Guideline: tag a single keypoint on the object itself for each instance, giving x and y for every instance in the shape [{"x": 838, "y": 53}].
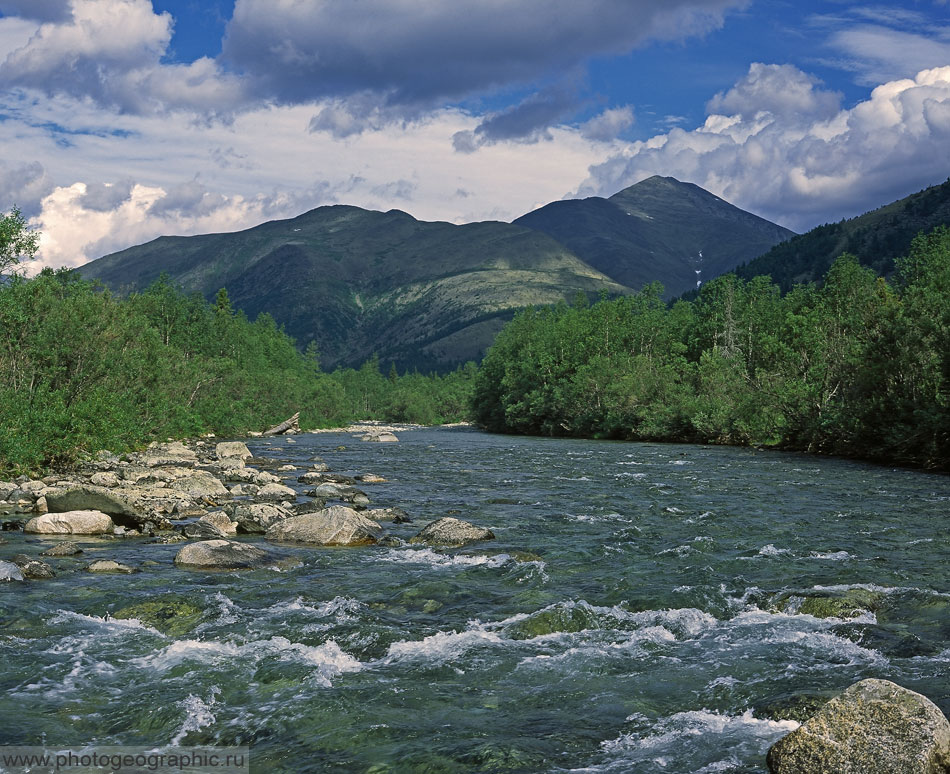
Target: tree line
[
  {"x": 856, "y": 366},
  {"x": 82, "y": 370}
]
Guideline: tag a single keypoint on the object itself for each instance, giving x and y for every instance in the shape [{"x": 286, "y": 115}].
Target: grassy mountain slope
[
  {"x": 875, "y": 238},
  {"x": 658, "y": 230},
  {"x": 357, "y": 282}
]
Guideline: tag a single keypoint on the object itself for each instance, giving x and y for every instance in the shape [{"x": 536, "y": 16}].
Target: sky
[{"x": 125, "y": 120}]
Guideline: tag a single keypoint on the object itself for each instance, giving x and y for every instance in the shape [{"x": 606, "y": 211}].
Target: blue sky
[{"x": 121, "y": 120}]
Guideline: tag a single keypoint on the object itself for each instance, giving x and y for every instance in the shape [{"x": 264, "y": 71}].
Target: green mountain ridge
[
  {"x": 356, "y": 281},
  {"x": 432, "y": 295},
  {"x": 875, "y": 238},
  {"x": 659, "y": 230}
]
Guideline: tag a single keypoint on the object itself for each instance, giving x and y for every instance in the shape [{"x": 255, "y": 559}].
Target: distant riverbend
[{"x": 642, "y": 608}]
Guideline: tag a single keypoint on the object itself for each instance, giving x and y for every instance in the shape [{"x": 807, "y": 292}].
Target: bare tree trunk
[{"x": 289, "y": 426}]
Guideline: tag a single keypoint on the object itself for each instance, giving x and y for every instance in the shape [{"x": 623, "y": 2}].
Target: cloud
[
  {"x": 102, "y": 197},
  {"x": 38, "y": 10},
  {"x": 806, "y": 168},
  {"x": 110, "y": 51},
  {"x": 609, "y": 124},
  {"x": 783, "y": 91},
  {"x": 411, "y": 53},
  {"x": 193, "y": 177},
  {"x": 877, "y": 53},
  {"x": 23, "y": 185},
  {"x": 527, "y": 121}
]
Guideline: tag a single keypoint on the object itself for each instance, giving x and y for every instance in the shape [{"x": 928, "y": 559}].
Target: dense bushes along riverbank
[
  {"x": 855, "y": 367},
  {"x": 81, "y": 370}
]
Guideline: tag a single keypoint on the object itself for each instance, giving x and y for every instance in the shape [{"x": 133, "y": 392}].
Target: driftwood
[{"x": 287, "y": 427}]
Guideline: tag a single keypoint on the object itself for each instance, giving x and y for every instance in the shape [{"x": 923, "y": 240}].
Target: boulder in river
[
  {"x": 449, "y": 531},
  {"x": 874, "y": 727},
  {"x": 829, "y": 604},
  {"x": 86, "y": 497},
  {"x": 232, "y": 450},
  {"x": 35, "y": 569},
  {"x": 110, "y": 566},
  {"x": 223, "y": 555},
  {"x": 85, "y": 522},
  {"x": 200, "y": 484},
  {"x": 277, "y": 493},
  {"x": 333, "y": 526},
  {"x": 257, "y": 518},
  {"x": 66, "y": 548},
  {"x": 170, "y": 615}
]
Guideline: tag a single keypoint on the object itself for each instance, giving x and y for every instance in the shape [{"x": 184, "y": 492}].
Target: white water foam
[
  {"x": 198, "y": 714},
  {"x": 771, "y": 550},
  {"x": 328, "y": 658},
  {"x": 441, "y": 647},
  {"x": 105, "y": 624},
  {"x": 834, "y": 556},
  {"x": 427, "y": 556}
]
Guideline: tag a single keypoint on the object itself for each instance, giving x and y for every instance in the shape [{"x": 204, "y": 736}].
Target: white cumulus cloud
[{"x": 780, "y": 150}]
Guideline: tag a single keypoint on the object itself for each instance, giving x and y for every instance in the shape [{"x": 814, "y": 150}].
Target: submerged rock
[
  {"x": 449, "y": 531},
  {"x": 828, "y": 604},
  {"x": 333, "y": 526},
  {"x": 170, "y": 615},
  {"x": 10, "y": 572},
  {"x": 874, "y": 727},
  {"x": 223, "y": 555},
  {"x": 83, "y": 522},
  {"x": 110, "y": 566},
  {"x": 570, "y": 617}
]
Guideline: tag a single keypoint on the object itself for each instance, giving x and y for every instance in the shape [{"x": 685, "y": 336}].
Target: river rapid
[{"x": 639, "y": 611}]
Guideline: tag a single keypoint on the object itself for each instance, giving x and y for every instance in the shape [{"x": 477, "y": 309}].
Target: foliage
[
  {"x": 17, "y": 241},
  {"x": 855, "y": 367},
  {"x": 81, "y": 370}
]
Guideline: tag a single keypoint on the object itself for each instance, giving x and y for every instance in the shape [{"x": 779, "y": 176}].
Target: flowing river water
[{"x": 638, "y": 612}]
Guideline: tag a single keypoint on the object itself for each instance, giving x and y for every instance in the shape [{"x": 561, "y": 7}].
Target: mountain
[
  {"x": 429, "y": 295},
  {"x": 876, "y": 238},
  {"x": 658, "y": 230}
]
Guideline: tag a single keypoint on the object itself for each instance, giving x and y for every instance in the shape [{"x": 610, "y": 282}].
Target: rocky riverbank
[{"x": 208, "y": 495}]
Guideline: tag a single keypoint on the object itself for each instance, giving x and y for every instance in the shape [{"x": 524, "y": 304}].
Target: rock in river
[
  {"x": 333, "y": 526},
  {"x": 451, "y": 532},
  {"x": 108, "y": 565},
  {"x": 71, "y": 523},
  {"x": 874, "y": 727},
  {"x": 223, "y": 555}
]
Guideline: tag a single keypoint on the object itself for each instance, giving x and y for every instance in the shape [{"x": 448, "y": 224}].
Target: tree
[{"x": 17, "y": 241}]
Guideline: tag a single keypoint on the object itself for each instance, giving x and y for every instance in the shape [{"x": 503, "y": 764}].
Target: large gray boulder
[
  {"x": 333, "y": 526},
  {"x": 257, "y": 518},
  {"x": 172, "y": 453},
  {"x": 87, "y": 497},
  {"x": 232, "y": 450},
  {"x": 451, "y": 532},
  {"x": 85, "y": 522},
  {"x": 223, "y": 555},
  {"x": 874, "y": 727},
  {"x": 200, "y": 484},
  {"x": 276, "y": 493}
]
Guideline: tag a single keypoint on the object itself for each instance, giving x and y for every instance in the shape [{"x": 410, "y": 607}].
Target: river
[{"x": 637, "y": 612}]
